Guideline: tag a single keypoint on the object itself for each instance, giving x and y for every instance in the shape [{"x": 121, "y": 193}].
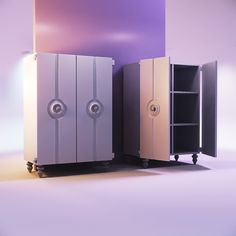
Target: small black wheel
[
  {"x": 194, "y": 156},
  {"x": 145, "y": 164},
  {"x": 40, "y": 170},
  {"x": 176, "y": 157},
  {"x": 35, "y": 167},
  {"x": 29, "y": 166},
  {"x": 40, "y": 174},
  {"x": 106, "y": 165}
]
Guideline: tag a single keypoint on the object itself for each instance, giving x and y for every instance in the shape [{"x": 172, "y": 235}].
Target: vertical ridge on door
[
  {"x": 94, "y": 120},
  {"x": 67, "y": 94},
  {"x": 56, "y": 97},
  {"x": 146, "y": 126},
  {"x": 209, "y": 109},
  {"x": 85, "y": 124},
  {"x": 161, "y": 123},
  {"x": 46, "y": 92},
  {"x": 104, "y": 121}
]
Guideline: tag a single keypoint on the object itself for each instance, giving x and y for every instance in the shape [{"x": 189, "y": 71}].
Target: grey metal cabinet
[
  {"x": 162, "y": 103},
  {"x": 67, "y": 109}
]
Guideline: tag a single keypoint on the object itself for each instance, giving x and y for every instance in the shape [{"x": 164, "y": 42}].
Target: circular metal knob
[
  {"x": 95, "y": 109},
  {"x": 56, "y": 109},
  {"x": 154, "y": 108}
]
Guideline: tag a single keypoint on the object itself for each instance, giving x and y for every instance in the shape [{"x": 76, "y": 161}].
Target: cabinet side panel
[
  {"x": 209, "y": 109},
  {"x": 85, "y": 124},
  {"x": 131, "y": 108},
  {"x": 46, "y": 92},
  {"x": 30, "y": 108},
  {"x": 67, "y": 123},
  {"x": 161, "y": 123},
  {"x": 146, "y": 121}
]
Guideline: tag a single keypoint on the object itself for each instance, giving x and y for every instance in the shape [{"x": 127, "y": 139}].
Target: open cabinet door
[
  {"x": 154, "y": 109},
  {"x": 209, "y": 109}
]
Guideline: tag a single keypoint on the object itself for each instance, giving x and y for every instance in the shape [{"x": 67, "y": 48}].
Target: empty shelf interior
[
  {"x": 186, "y": 139},
  {"x": 186, "y": 78},
  {"x": 186, "y": 108}
]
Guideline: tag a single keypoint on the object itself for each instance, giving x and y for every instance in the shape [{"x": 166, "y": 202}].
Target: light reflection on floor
[{"x": 179, "y": 199}]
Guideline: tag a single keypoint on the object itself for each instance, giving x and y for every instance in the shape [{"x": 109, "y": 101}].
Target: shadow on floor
[
  {"x": 13, "y": 168},
  {"x": 132, "y": 167}
]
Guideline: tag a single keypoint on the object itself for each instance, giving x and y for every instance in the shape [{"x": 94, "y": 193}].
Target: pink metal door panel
[{"x": 154, "y": 109}]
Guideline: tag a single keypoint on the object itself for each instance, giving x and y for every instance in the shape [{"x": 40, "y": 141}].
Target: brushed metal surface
[
  {"x": 161, "y": 123},
  {"x": 66, "y": 149},
  {"x": 155, "y": 109},
  {"x": 146, "y": 95},
  {"x": 104, "y": 121},
  {"x": 85, "y": 124},
  {"x": 70, "y": 83},
  {"x": 46, "y": 74}
]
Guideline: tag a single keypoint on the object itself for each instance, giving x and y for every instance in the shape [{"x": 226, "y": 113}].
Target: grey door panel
[
  {"x": 85, "y": 94},
  {"x": 46, "y": 126},
  {"x": 209, "y": 109},
  {"x": 103, "y": 129},
  {"x": 67, "y": 94},
  {"x": 72, "y": 100}
]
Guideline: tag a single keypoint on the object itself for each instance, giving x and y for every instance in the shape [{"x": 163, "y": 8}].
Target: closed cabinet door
[
  {"x": 56, "y": 108},
  {"x": 94, "y": 109},
  {"x": 154, "y": 109}
]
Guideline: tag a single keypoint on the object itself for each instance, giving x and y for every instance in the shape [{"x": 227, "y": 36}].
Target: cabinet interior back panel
[
  {"x": 186, "y": 108},
  {"x": 186, "y": 78},
  {"x": 186, "y": 139}
]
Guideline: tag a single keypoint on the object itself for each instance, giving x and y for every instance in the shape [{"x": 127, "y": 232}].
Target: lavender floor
[{"x": 177, "y": 200}]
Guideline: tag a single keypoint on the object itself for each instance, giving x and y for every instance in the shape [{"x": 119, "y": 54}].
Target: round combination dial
[
  {"x": 153, "y": 108},
  {"x": 56, "y": 109},
  {"x": 94, "y": 109}
]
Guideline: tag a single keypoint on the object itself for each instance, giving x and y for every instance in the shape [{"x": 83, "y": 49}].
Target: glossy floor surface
[{"x": 174, "y": 199}]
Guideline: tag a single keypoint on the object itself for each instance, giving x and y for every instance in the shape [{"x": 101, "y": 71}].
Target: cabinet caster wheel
[
  {"x": 106, "y": 165},
  {"x": 29, "y": 167},
  {"x": 35, "y": 168},
  {"x": 40, "y": 174},
  {"x": 40, "y": 170},
  {"x": 176, "y": 157},
  {"x": 145, "y": 164},
  {"x": 194, "y": 156}
]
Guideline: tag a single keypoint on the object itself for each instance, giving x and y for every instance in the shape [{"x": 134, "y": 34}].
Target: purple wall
[{"x": 126, "y": 30}]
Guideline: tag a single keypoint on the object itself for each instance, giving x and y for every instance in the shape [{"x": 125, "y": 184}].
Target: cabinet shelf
[
  {"x": 185, "y": 112},
  {"x": 184, "y": 124},
  {"x": 184, "y": 153}
]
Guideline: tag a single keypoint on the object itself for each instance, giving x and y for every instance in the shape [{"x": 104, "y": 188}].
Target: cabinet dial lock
[
  {"x": 56, "y": 109},
  {"x": 153, "y": 108},
  {"x": 94, "y": 109}
]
